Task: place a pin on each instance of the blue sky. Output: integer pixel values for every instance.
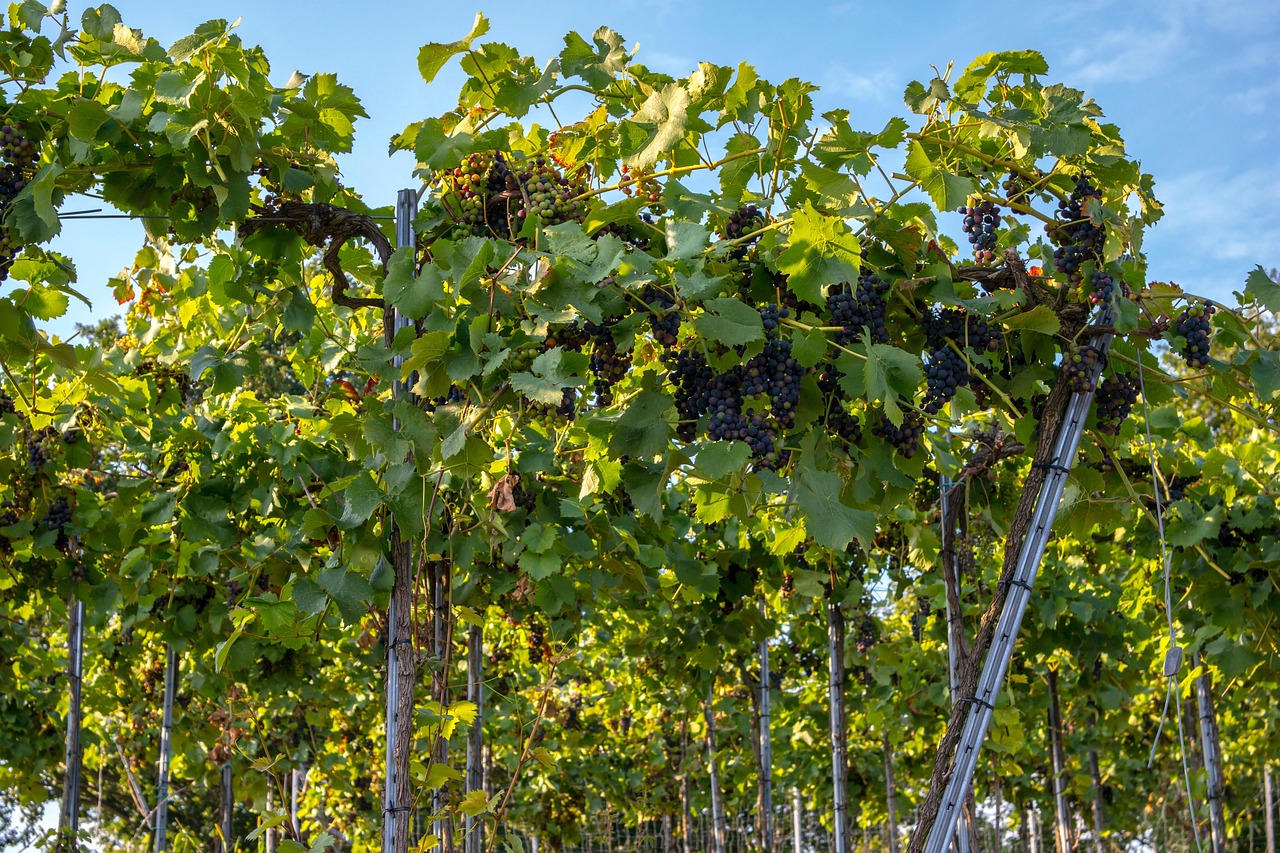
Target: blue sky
(1194, 85)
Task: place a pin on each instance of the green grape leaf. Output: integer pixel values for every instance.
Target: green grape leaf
(1264, 289)
(433, 56)
(831, 522)
(598, 66)
(664, 115)
(729, 321)
(642, 431)
(820, 251)
(349, 590)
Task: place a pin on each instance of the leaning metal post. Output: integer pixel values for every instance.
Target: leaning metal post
(1015, 606)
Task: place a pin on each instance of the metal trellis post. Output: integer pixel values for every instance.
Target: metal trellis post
(69, 822)
(1030, 554)
(766, 752)
(1212, 749)
(395, 803)
(166, 750)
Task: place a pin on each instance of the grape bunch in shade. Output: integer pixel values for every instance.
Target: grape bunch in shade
(770, 316)
(852, 309)
(1077, 239)
(1193, 326)
(1115, 399)
(1080, 366)
(740, 223)
(948, 332)
(981, 219)
(906, 437)
(664, 320)
(607, 364)
(839, 421)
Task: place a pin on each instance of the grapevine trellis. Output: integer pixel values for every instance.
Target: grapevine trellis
(568, 479)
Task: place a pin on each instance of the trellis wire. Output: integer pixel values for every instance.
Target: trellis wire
(1028, 563)
(392, 811)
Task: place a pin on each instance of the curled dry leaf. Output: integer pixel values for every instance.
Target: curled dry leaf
(502, 496)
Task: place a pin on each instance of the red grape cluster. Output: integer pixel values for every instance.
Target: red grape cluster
(492, 196)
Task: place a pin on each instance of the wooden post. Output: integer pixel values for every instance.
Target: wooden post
(228, 809)
(1269, 800)
(1212, 749)
(1098, 822)
(766, 753)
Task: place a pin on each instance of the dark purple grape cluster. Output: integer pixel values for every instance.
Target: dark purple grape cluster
(1116, 396)
(1193, 326)
(1077, 238)
(855, 309)
(775, 373)
(20, 155)
(867, 634)
(608, 364)
(454, 395)
(967, 330)
(689, 373)
(1080, 365)
(537, 644)
(37, 453)
(839, 421)
(6, 404)
(58, 516)
(981, 219)
(920, 617)
(945, 373)
(770, 316)
(743, 221)
(571, 338)
(788, 588)
(906, 438)
(664, 320)
(1102, 288)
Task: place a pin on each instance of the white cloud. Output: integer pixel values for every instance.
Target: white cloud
(879, 86)
(1127, 55)
(666, 63)
(1257, 100)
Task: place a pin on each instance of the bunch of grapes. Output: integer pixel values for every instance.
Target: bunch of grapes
(1193, 326)
(741, 222)
(1102, 288)
(689, 373)
(571, 338)
(867, 634)
(920, 617)
(6, 404)
(537, 644)
(839, 420)
(906, 438)
(946, 372)
(854, 309)
(1080, 366)
(770, 316)
(453, 396)
(980, 222)
(58, 516)
(788, 586)
(1075, 235)
(664, 320)
(608, 365)
(20, 155)
(1116, 396)
(37, 454)
(775, 373)
(494, 196)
